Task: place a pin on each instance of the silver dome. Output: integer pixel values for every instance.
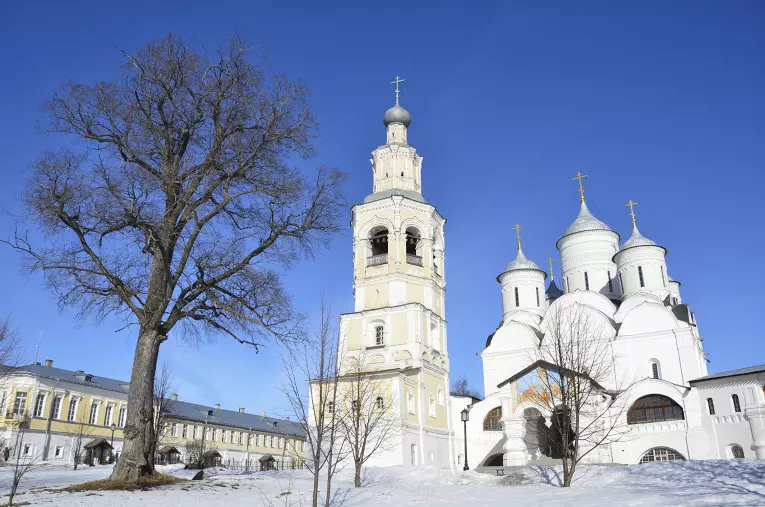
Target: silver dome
(585, 221)
(521, 263)
(397, 114)
(637, 239)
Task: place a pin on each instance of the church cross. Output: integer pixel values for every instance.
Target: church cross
(396, 82)
(517, 230)
(580, 177)
(631, 206)
(552, 273)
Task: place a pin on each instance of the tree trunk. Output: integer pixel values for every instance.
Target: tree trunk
(357, 476)
(136, 460)
(315, 502)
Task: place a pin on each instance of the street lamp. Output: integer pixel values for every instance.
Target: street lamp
(113, 427)
(465, 416)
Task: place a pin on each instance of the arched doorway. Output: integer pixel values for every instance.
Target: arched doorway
(495, 460)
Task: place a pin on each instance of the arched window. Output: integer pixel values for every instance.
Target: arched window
(378, 242)
(517, 299)
(492, 419)
(640, 275)
(610, 283)
(379, 335)
(495, 460)
(661, 454)
(711, 406)
(737, 451)
(413, 246)
(537, 297)
(654, 408)
(586, 281)
(736, 403)
(655, 370)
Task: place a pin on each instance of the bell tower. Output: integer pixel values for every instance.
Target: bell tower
(398, 324)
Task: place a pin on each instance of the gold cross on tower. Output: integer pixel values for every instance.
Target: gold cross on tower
(517, 230)
(631, 206)
(396, 82)
(552, 273)
(580, 177)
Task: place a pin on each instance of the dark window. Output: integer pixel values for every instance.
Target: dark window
(379, 335)
(654, 408)
(568, 287)
(537, 297)
(586, 281)
(640, 274)
(610, 283)
(380, 403)
(655, 370)
(737, 451)
(711, 406)
(736, 403)
(621, 281)
(412, 240)
(379, 241)
(517, 299)
(661, 454)
(491, 422)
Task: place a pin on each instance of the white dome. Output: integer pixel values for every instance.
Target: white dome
(637, 239)
(585, 221)
(521, 262)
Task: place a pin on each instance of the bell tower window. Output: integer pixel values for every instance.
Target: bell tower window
(377, 253)
(413, 246)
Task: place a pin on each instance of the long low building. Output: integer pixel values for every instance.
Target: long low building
(60, 407)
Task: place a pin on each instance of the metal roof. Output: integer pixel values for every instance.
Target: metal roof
(732, 373)
(384, 194)
(179, 409)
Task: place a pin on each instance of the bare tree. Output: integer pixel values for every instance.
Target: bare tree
(180, 205)
(575, 385)
(310, 372)
(461, 387)
(79, 435)
(368, 423)
(195, 450)
(163, 406)
(24, 458)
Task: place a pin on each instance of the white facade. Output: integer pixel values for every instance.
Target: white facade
(657, 351)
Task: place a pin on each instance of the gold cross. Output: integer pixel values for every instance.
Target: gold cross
(517, 230)
(396, 82)
(631, 206)
(580, 177)
(552, 273)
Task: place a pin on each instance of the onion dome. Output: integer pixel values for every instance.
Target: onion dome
(521, 263)
(397, 114)
(553, 292)
(585, 221)
(638, 239)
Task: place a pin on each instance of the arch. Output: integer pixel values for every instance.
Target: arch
(735, 451)
(378, 241)
(654, 408)
(646, 318)
(425, 357)
(403, 355)
(413, 240)
(492, 420)
(495, 460)
(376, 358)
(660, 454)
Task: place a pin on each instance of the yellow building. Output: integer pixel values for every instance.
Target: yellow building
(61, 406)
(398, 327)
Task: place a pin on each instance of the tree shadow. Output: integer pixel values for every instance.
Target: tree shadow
(338, 497)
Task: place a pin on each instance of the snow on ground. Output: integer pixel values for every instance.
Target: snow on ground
(689, 483)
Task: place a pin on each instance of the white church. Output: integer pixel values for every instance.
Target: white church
(673, 410)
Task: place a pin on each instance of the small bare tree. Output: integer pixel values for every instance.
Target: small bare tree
(576, 364)
(164, 403)
(79, 435)
(368, 422)
(195, 450)
(461, 387)
(315, 362)
(180, 206)
(24, 458)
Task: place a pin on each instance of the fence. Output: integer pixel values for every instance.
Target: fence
(255, 465)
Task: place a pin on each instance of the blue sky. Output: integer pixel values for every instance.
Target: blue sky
(659, 102)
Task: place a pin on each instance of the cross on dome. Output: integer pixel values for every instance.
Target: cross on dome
(517, 230)
(552, 273)
(396, 82)
(631, 205)
(579, 176)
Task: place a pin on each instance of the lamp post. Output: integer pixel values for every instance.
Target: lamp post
(113, 427)
(465, 416)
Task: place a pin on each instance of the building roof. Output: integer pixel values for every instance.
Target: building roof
(179, 409)
(384, 194)
(586, 221)
(732, 373)
(520, 263)
(553, 291)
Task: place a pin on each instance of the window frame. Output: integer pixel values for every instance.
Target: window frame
(654, 408)
(711, 406)
(20, 402)
(39, 409)
(493, 419)
(736, 403)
